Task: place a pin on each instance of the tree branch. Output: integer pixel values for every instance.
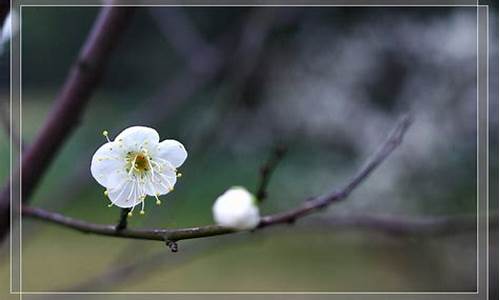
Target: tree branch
(122, 222)
(267, 170)
(67, 110)
(173, 235)
(392, 142)
(158, 234)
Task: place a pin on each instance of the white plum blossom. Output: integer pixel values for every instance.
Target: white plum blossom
(236, 208)
(135, 165)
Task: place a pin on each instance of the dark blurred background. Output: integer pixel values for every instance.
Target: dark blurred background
(230, 83)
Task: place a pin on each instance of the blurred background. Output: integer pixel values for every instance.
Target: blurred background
(230, 84)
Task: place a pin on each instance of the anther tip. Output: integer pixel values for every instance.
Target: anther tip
(158, 202)
(142, 212)
(106, 193)
(110, 205)
(105, 133)
(129, 214)
(179, 174)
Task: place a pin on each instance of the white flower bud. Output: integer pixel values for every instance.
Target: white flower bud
(236, 208)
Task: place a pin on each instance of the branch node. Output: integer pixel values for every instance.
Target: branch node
(122, 222)
(267, 169)
(172, 245)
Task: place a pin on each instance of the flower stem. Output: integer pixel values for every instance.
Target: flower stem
(122, 223)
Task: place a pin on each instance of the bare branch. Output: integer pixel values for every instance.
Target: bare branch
(173, 235)
(392, 142)
(158, 234)
(68, 107)
(267, 170)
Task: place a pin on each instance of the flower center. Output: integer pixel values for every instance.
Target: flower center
(137, 163)
(141, 163)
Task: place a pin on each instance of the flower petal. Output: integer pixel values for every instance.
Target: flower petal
(107, 166)
(172, 151)
(127, 195)
(136, 136)
(161, 183)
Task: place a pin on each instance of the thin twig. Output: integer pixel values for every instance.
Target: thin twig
(267, 170)
(158, 234)
(174, 235)
(122, 222)
(69, 105)
(392, 142)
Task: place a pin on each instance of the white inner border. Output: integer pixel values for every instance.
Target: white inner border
(20, 293)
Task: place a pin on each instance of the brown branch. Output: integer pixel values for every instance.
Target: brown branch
(173, 235)
(158, 234)
(267, 170)
(68, 107)
(392, 142)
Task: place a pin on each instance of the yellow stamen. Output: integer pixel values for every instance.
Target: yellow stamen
(105, 133)
(158, 202)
